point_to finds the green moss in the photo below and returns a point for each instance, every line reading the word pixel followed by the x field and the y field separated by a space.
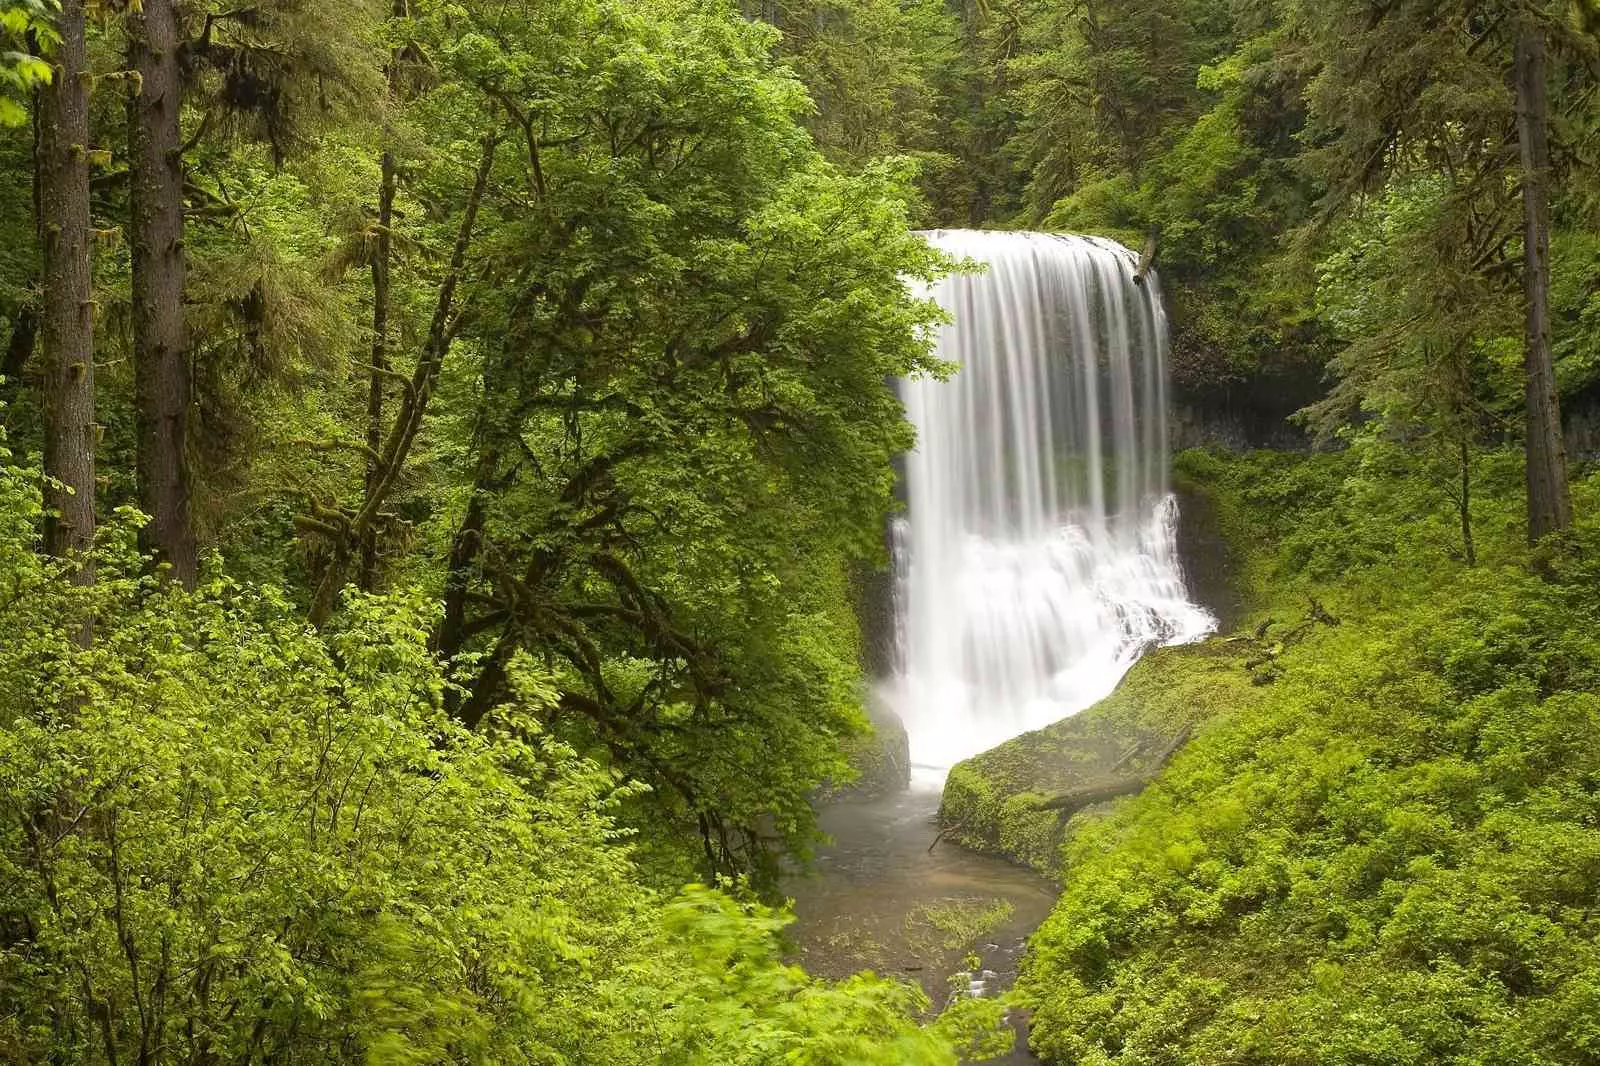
pixel 1386 854
pixel 992 800
pixel 956 923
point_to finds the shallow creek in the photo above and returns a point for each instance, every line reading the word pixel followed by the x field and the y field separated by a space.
pixel 879 900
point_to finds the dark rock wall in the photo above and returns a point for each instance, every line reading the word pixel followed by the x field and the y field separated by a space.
pixel 1581 415
pixel 873 590
pixel 1210 567
pixel 1242 414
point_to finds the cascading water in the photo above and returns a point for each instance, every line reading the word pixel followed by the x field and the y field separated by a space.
pixel 1037 557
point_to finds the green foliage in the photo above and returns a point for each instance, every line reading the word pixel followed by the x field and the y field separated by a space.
pixel 672 438
pixel 22 71
pixel 1427 347
pixel 872 68
pixel 638 373
pixel 226 837
pixel 656 439
pixel 1575 305
pixel 632 441
pixel 959 921
pixel 1180 118
pixel 1389 855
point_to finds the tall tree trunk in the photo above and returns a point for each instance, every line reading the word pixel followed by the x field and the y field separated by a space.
pixel 414 401
pixel 368 576
pixel 160 350
pixel 464 549
pixel 68 309
pixel 1549 500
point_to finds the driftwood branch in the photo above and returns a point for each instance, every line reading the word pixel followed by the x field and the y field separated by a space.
pixel 945 831
pixel 1147 259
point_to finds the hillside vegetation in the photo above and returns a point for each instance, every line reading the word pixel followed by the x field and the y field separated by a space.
pixel 1390 852
pixel 442 443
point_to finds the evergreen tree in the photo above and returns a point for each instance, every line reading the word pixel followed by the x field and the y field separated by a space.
pixel 70 430
pixel 156 234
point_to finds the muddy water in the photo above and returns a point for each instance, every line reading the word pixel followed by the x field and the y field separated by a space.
pixel 879 900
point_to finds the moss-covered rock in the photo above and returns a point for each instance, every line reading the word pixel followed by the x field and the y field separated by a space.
pixel 991 802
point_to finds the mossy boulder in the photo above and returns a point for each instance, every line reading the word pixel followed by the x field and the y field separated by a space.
pixel 992 801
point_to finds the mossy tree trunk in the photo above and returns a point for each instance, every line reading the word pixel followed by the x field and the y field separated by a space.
pixel 68 317
pixel 160 348
pixel 1549 499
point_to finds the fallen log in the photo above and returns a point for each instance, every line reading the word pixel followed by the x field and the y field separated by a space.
pixel 1075 799
pixel 1129 755
pixel 1087 795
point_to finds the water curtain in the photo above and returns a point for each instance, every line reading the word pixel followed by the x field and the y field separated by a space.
pixel 1036 559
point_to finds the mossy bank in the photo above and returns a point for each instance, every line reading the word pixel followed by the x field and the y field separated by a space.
pixel 993 802
pixel 1381 843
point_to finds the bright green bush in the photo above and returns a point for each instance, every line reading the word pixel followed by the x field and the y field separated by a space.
pixel 226 839
pixel 1393 855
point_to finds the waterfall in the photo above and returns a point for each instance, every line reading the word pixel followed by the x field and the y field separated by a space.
pixel 1036 558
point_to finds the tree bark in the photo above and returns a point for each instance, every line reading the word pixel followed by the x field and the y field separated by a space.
pixel 160 349
pixel 368 574
pixel 464 550
pixel 68 309
pixel 1549 499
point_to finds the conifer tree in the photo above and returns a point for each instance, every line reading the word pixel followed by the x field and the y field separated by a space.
pixel 68 313
pixel 155 232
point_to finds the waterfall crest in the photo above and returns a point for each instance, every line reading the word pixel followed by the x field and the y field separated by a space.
pixel 1036 560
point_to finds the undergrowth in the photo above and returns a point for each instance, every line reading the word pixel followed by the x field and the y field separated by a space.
pixel 1392 856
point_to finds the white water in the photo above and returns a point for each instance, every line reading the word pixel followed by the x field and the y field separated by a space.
pixel 1036 559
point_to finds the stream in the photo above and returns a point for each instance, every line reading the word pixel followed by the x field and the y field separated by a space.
pixel 878 899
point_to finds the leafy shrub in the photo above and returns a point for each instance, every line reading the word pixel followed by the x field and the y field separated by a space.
pixel 1393 855
pixel 224 838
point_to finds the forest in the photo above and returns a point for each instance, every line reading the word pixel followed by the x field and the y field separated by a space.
pixel 446 451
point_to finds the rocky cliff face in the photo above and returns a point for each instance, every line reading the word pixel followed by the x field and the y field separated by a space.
pixel 1242 413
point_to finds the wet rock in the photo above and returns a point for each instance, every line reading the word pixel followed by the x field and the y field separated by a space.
pixel 881 759
pixel 1210 565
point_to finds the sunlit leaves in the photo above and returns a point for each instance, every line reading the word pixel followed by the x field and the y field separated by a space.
pixel 282 838
pixel 1389 853
pixel 23 22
